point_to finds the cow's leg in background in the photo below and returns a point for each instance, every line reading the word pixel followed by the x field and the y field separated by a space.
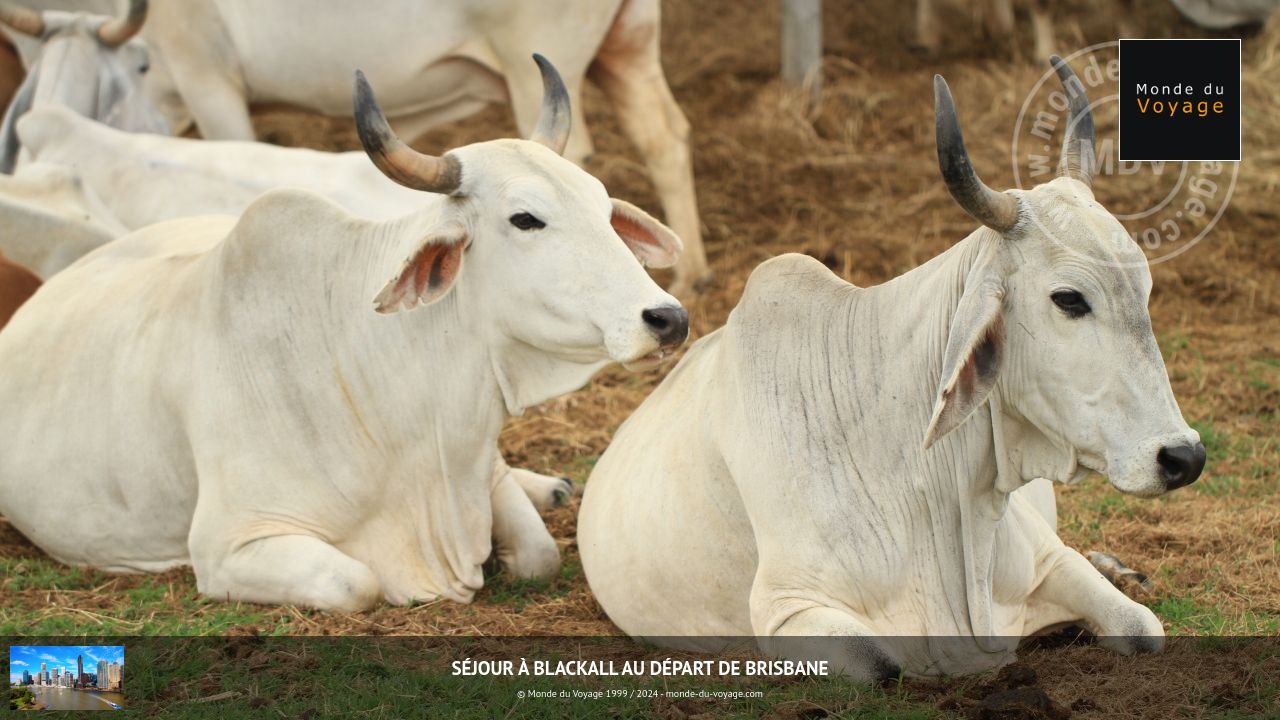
pixel 927 35
pixel 520 538
pixel 824 633
pixel 525 89
pixel 628 68
pixel 1074 585
pixel 999 22
pixel 204 67
pixel 220 109
pixel 1042 26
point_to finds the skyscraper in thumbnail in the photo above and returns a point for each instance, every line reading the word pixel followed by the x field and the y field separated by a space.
pixel 115 672
pixel 103 681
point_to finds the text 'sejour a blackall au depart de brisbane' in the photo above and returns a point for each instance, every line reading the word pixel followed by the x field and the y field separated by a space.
pixel 640 358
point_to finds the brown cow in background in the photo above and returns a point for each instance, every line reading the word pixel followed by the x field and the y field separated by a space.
pixel 11 72
pixel 16 285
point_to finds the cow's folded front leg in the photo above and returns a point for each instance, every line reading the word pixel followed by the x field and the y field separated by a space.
pixel 544 491
pixel 287 570
pixel 825 633
pixel 520 539
pixel 1121 624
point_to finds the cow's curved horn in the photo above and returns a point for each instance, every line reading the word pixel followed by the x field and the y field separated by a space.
pixel 117 31
pixel 996 210
pixel 1077 148
pixel 395 159
pixel 553 125
pixel 23 19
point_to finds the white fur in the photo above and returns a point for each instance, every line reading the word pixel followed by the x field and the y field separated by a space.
pixel 776 483
pixel 221 392
pixel 75 70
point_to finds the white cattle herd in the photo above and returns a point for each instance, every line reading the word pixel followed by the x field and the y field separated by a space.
pixel 289 369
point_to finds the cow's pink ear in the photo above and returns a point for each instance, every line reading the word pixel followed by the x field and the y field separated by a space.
pixel 973 358
pixel 427 275
pixel 653 243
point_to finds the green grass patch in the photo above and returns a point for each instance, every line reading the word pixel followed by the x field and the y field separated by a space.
pixel 1217 485
pixel 580 467
pixel 1185 616
pixel 1215 441
pixel 1109 504
pixel 503 589
pixel 18 574
pixel 156 605
pixel 1171 342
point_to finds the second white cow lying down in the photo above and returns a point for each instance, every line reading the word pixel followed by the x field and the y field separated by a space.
pixel 49 219
pixel 843 473
pixel 144 178
pixel 222 392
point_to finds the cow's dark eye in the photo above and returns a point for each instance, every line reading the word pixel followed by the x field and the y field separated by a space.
pixel 1071 302
pixel 143 68
pixel 525 221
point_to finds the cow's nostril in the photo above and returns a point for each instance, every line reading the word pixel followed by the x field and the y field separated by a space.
pixel 670 324
pixel 1181 464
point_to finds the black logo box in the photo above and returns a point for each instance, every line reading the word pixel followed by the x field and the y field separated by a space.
pixel 1157 80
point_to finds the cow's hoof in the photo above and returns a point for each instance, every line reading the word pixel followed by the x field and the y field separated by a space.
pixel 1139 633
pixel 887 672
pixel 561 494
pixel 1133 644
pixel 537 562
pixel 870 662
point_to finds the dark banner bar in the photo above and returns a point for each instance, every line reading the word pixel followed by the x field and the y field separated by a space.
pixel 1060 676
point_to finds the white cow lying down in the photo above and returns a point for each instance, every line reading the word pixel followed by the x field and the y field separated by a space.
pixel 776 485
pixel 49 219
pixel 143 179
pixel 221 392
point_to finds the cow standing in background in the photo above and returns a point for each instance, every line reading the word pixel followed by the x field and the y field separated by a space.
pixel 90 63
pixel 437 61
pixel 858 474
pixel 997 18
pixel 304 404
pixel 16 285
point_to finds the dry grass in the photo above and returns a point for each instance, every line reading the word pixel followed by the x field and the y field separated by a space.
pixel 855 184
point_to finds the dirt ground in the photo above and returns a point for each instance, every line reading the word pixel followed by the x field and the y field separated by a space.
pixel 855 184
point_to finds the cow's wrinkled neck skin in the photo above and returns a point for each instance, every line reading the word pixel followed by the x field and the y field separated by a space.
pixel 936 515
pixel 419 387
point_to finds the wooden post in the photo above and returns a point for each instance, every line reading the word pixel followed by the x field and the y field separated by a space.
pixel 802 45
